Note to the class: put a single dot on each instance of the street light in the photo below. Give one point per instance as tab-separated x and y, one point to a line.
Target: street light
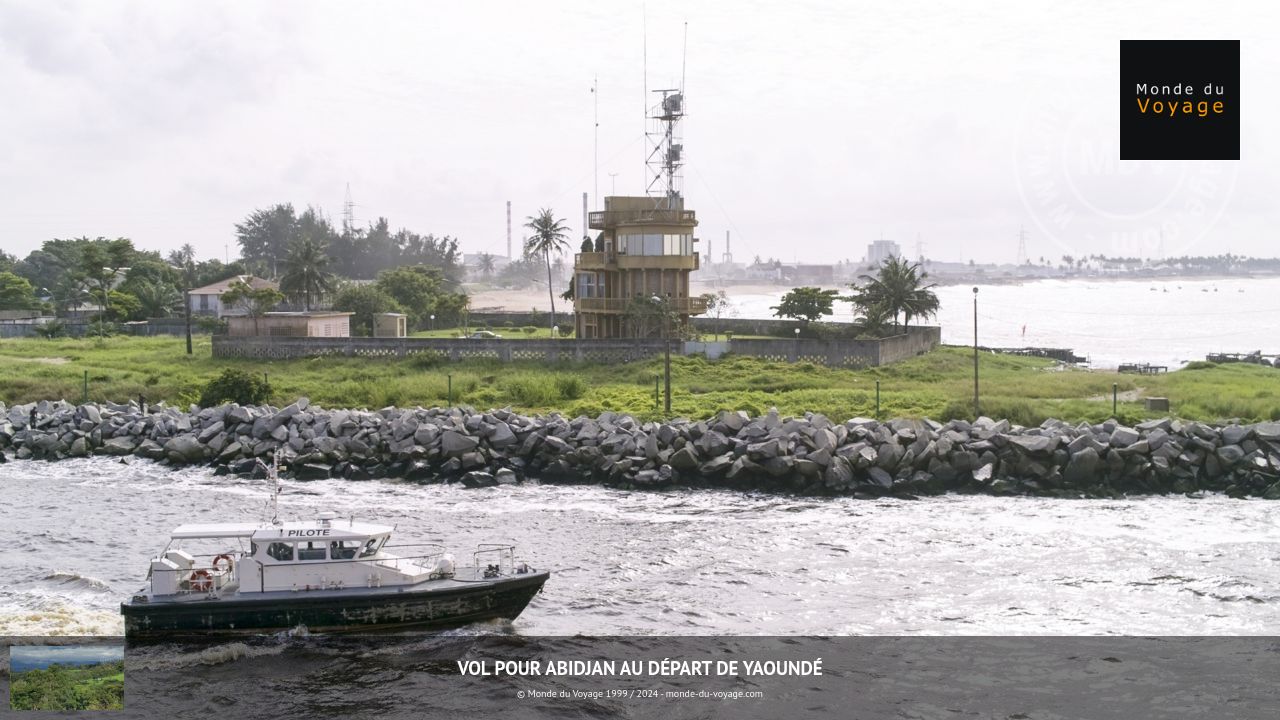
976	413
796	350
433	323
666	353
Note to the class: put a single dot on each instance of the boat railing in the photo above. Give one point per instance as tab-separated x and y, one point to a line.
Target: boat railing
494	555
402	563
196	579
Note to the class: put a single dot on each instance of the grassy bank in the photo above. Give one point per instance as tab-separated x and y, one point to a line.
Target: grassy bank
69	687
937	385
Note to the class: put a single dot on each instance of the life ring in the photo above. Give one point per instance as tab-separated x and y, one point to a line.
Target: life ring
230	562
201	581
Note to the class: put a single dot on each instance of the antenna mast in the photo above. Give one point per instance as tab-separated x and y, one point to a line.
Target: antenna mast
595	96
348	213
666	144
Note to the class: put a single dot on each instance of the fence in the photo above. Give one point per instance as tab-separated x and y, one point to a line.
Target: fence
280	348
80	329
836	353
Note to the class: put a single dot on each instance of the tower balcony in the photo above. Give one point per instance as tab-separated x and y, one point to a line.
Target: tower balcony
615	261
680	305
604	219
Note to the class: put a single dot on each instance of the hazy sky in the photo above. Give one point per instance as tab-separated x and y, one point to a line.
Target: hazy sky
813	127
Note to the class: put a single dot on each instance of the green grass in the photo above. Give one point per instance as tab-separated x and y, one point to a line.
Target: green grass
69	687
937	385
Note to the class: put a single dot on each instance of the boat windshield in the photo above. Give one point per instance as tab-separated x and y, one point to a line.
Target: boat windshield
280	551
372	546
343	549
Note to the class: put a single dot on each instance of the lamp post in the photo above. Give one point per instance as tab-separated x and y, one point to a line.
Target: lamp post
666	354
796	347
433	323
976	413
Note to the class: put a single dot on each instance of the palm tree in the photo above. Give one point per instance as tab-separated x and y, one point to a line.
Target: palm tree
896	290
182	257
159	300
486	264
306	273
549	235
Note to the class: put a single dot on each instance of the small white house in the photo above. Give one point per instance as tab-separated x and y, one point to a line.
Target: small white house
207	300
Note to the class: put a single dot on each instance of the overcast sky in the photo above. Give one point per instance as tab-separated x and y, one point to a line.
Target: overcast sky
813	127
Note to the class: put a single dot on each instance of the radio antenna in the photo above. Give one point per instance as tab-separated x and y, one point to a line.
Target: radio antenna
684	55
274	473
644	66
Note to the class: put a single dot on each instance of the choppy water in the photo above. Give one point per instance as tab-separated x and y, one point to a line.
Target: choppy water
1163	322
77	536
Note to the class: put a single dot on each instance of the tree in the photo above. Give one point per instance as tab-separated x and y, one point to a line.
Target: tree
208	272
7	261
549	236
264	236
897	289
100	265
486	264
520	273
365	301
255	302
156	300
717	306
183	256
805	304
649	315
16	293
420	291
123	306
306	273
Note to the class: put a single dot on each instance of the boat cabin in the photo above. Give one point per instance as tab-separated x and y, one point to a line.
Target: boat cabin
325	553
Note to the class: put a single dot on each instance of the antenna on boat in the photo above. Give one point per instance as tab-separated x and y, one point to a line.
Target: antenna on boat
274	474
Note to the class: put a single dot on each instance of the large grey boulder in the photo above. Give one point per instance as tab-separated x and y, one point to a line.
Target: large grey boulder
1082	467
184	448
454	443
120	445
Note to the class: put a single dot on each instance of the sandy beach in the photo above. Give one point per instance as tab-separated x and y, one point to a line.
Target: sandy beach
485	299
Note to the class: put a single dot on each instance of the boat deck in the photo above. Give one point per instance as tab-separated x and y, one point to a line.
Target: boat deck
465	579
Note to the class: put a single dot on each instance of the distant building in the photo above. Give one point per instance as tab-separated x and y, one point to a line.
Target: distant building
390	325
647	251
769	270
207	300
292	324
471	262
880	250
809	274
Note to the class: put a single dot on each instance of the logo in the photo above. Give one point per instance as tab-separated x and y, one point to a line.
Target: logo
1179	99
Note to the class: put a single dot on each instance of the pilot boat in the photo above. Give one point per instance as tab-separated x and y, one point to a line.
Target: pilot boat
327	574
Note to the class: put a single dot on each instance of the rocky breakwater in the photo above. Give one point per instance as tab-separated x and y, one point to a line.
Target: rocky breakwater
809	454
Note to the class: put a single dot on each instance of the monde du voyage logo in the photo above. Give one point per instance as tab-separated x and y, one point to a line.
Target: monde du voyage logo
1179	99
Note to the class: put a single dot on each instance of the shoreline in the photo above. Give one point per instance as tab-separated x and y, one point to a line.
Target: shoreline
498	300
810	455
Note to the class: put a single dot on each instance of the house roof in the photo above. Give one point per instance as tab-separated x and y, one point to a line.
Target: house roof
222	286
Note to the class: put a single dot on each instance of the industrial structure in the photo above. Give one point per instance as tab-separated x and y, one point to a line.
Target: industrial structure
643	255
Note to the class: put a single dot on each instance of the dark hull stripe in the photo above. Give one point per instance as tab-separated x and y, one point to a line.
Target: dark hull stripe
433	609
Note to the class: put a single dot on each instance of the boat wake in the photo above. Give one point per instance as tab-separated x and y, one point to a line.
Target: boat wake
55	618
71	580
171	657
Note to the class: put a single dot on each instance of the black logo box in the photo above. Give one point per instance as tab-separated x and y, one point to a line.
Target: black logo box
1189	65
